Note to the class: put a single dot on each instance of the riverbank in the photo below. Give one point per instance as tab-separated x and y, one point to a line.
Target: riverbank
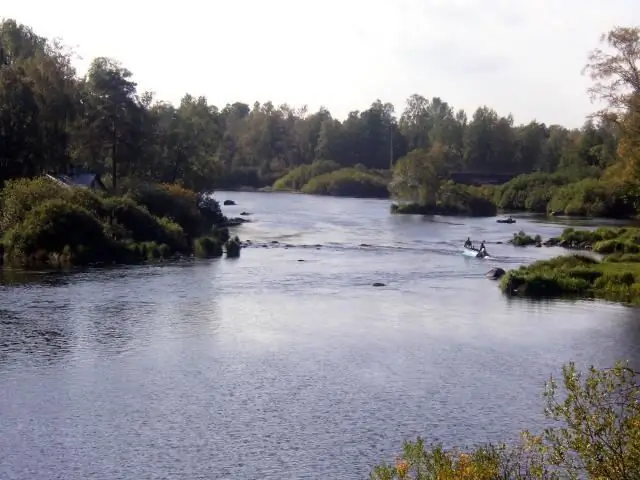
45	224
615	276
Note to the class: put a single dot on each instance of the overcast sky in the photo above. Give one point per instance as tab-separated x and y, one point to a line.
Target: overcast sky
518	56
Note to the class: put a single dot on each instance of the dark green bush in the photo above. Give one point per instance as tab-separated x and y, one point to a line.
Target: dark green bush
207	247
57	227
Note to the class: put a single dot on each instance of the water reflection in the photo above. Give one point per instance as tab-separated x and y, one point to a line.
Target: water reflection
25	340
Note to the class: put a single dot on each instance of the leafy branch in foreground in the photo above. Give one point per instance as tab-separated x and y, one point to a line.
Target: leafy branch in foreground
596	436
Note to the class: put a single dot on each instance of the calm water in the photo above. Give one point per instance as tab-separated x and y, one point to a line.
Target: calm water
268	367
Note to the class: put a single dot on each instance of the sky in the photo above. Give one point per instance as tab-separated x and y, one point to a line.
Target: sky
522	57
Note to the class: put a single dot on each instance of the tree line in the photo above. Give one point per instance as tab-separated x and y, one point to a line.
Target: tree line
52	119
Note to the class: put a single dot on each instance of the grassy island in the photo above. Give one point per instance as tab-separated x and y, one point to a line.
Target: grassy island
46	224
615	276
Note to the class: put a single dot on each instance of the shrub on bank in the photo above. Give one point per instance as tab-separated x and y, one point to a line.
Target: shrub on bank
594	434
605	240
207	247
531	192
452	199
45	223
348	182
140	226
300	176
195	213
455	199
575	275
232	247
594	198
56	232
18	197
521	239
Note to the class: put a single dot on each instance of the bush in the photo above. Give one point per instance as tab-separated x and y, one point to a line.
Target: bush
454	199
530	192
521	239
593	197
348	182
594	433
174	202
577	275
57	227
300	176
19	196
141	226
233	246
207	247
78	225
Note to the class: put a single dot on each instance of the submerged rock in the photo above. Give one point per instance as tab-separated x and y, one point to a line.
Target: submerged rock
495	273
378	284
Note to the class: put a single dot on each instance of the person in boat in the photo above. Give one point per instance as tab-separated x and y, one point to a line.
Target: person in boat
468	243
483	249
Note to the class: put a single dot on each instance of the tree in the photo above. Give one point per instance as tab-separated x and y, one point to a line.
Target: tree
418	176
616	73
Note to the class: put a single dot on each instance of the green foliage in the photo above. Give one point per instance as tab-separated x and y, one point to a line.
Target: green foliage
76	225
521	239
593	197
57	227
595	434
297	178
103	123
575	276
232	247
207	247
530	192
140	226
451	199
19	196
348	182
195	214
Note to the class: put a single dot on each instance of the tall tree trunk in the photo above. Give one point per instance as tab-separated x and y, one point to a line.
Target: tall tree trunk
114	163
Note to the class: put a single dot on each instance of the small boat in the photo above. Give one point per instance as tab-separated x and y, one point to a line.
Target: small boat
505	220
473	252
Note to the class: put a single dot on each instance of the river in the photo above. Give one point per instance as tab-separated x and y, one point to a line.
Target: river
287	362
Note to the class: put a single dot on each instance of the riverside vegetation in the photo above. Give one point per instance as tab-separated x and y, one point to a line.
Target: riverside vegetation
102	123
47	224
616	276
594	434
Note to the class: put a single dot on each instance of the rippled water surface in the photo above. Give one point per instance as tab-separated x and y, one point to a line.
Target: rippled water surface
287	362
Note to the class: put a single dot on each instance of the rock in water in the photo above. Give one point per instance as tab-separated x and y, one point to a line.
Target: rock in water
378	284
495	273
229	202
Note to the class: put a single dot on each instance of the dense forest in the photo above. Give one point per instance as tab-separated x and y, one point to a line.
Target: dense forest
51	119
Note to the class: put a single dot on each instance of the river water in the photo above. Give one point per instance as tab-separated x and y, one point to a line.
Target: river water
287	362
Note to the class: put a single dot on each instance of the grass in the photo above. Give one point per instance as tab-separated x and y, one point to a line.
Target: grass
576	276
